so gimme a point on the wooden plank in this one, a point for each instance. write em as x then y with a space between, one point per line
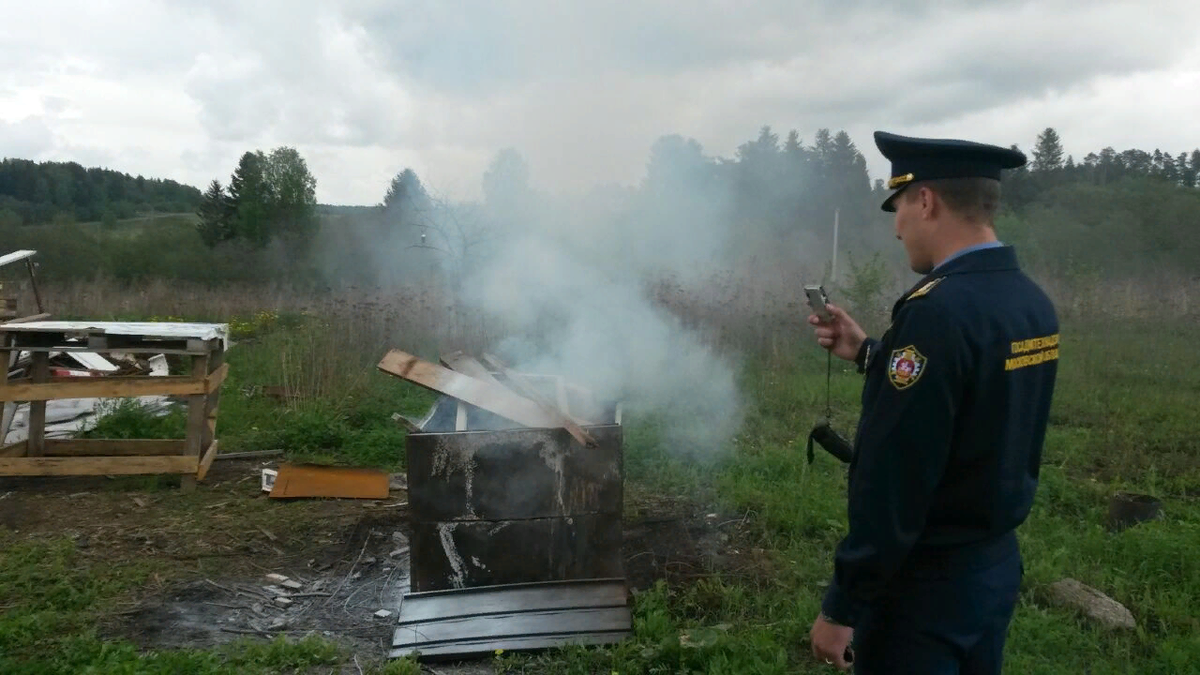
490 397
197 421
102 387
39 373
554 595
26 319
104 447
468 365
100 342
206 461
470 554
220 369
8 409
527 385
152 348
213 382
17 449
527 390
251 454
460 649
33 284
96 466
513 474
212 403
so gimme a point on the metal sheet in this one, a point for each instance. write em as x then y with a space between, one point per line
421 607
462 649
93 361
151 329
13 257
65 418
513 474
462 623
468 554
519 623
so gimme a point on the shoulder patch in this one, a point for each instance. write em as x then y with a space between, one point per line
925 289
905 367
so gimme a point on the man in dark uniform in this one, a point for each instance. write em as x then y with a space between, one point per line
955 401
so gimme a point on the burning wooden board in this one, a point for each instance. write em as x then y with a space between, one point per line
489 396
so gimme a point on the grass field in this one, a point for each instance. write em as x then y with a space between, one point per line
1123 420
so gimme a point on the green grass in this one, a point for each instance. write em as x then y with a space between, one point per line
1122 420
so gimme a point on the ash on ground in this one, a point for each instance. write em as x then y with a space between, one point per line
352 599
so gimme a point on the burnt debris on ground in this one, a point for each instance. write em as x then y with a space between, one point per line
338 593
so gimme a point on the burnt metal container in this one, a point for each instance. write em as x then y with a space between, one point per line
494 503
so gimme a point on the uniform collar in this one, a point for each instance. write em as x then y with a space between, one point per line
988 258
964 251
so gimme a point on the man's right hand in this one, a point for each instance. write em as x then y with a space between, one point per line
842 335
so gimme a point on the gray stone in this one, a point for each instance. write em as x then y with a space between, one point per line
1092 603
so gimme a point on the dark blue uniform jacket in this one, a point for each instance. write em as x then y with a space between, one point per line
954 409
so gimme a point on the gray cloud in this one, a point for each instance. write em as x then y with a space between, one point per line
368 87
26 139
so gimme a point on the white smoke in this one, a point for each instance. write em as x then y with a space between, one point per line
573 316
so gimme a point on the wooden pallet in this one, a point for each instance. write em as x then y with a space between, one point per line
190 457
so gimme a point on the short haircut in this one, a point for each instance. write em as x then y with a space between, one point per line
975 199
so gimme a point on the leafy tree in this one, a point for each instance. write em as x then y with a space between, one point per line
290 195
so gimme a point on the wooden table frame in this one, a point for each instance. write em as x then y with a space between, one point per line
38 456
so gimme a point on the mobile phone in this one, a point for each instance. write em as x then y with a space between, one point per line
817 299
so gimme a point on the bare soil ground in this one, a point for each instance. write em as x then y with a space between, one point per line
210 553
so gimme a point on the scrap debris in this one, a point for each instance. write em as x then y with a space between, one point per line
294 480
66 417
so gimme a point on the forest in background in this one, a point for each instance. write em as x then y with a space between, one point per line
1112 213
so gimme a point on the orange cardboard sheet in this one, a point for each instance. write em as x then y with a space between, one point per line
329 481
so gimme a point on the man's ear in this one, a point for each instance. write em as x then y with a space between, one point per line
929 203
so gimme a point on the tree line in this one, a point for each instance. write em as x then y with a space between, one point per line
1127 211
779 195
1124 211
32 193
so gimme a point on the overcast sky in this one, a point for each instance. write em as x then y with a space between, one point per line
365 88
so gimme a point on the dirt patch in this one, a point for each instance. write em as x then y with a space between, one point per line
211 552
682 542
336 593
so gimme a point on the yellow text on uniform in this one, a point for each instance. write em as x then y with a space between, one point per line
1031 359
1034 344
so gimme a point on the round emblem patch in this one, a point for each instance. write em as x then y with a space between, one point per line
905 367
